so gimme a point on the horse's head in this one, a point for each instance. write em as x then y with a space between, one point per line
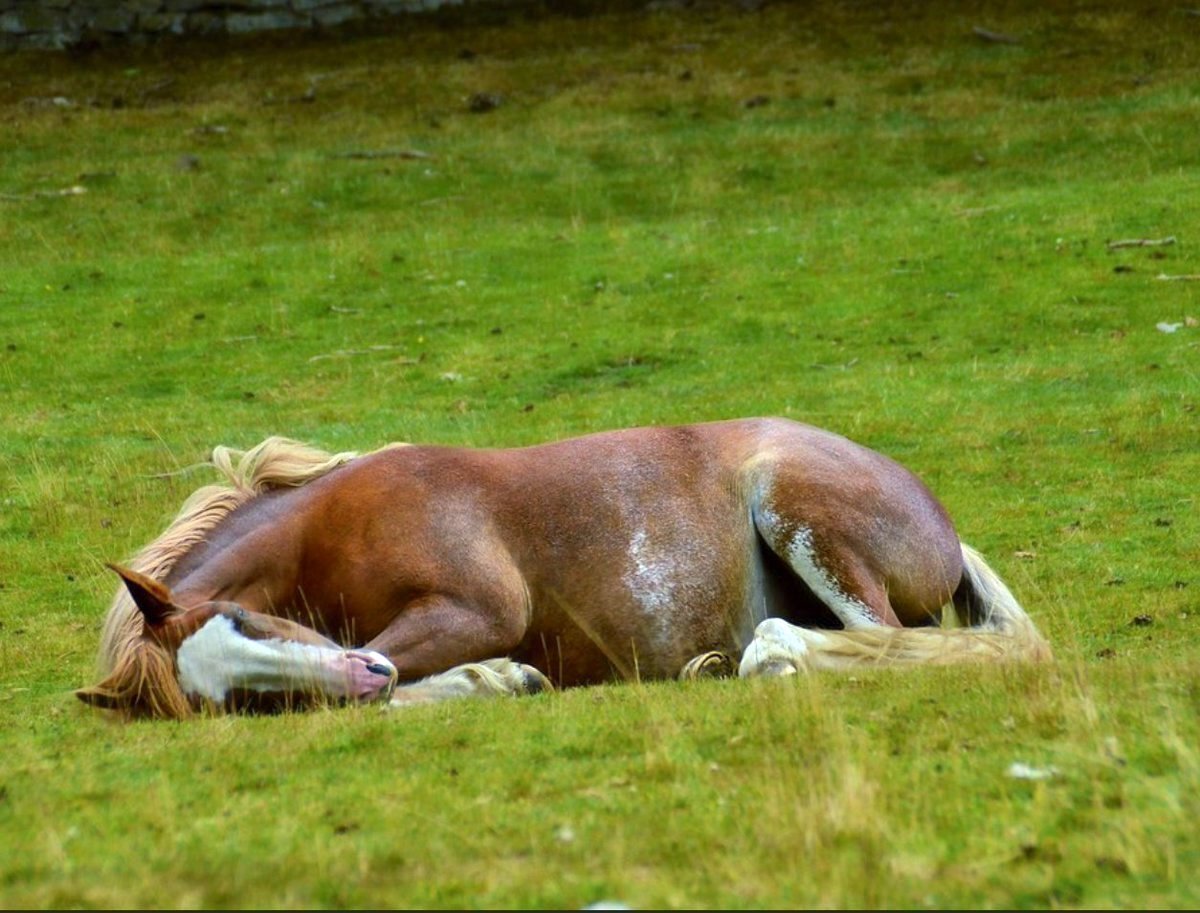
221 654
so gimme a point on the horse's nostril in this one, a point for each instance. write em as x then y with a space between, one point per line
379 669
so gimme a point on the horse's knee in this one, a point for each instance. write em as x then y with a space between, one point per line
438 632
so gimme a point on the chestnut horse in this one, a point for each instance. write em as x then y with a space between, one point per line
763 546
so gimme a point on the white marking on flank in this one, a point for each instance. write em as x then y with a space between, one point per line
649 579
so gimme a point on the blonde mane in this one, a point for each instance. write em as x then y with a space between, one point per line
135 670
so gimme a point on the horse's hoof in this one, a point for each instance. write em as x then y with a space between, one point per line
713 664
777 668
534 681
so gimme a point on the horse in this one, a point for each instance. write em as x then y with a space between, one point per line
415 573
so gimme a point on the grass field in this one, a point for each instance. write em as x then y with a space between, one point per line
501 227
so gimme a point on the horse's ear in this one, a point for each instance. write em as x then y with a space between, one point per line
98 696
151 597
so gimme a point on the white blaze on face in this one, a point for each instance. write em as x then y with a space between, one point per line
217 659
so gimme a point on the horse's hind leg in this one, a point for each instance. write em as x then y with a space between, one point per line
828 563
838 577
874 545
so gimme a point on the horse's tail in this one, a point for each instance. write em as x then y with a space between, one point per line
996 629
275 463
983 602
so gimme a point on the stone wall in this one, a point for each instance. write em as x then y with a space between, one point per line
61 24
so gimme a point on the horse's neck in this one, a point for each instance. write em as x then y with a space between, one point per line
244 558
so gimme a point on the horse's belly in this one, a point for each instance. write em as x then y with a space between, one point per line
643 612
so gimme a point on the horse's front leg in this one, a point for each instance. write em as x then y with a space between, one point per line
490 678
447 648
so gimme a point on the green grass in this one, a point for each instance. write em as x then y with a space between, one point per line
862 216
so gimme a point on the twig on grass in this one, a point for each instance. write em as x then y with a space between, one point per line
156 87
845 367
348 353
998 37
382 154
186 470
1187 277
977 211
1141 242
37 194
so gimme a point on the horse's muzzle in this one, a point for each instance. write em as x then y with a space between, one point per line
369 675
